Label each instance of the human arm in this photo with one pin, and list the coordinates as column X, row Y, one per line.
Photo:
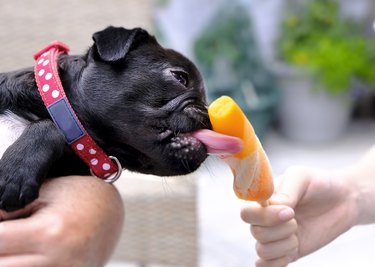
column 76, row 221
column 311, row 208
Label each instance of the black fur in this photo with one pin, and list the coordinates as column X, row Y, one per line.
column 138, row 100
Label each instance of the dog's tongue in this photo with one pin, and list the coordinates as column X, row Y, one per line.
column 217, row 143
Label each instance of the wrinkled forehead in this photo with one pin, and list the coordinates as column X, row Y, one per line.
column 155, row 55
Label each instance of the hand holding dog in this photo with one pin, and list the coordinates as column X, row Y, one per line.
column 75, row 222
column 310, row 209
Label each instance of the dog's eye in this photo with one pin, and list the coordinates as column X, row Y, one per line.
column 181, row 76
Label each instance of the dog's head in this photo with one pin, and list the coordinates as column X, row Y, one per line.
column 142, row 102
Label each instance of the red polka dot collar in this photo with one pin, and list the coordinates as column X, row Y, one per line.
column 63, row 115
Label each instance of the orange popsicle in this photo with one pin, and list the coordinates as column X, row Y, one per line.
column 251, row 168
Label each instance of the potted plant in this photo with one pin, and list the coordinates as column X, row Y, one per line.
column 227, row 53
column 326, row 57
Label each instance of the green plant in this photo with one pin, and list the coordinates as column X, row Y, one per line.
column 162, row 3
column 228, row 55
column 316, row 37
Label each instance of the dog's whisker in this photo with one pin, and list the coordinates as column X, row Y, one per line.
column 185, row 163
column 209, row 166
column 166, row 186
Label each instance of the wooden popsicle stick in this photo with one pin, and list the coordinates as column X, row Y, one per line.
column 264, row 203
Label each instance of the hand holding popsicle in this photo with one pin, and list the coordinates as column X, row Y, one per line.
column 311, row 208
column 286, row 230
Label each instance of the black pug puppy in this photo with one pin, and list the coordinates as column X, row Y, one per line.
column 138, row 101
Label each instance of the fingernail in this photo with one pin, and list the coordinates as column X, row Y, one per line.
column 286, row 214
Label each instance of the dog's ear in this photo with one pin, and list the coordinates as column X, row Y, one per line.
column 112, row 43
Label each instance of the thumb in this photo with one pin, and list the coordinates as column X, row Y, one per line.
column 293, row 185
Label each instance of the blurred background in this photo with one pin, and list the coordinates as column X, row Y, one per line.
column 302, row 70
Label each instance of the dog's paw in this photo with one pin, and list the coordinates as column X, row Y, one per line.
column 16, row 191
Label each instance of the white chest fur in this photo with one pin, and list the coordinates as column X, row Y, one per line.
column 11, row 127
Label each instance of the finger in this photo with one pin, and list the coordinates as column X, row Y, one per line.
column 21, row 236
column 15, row 237
column 23, row 261
column 277, row 249
column 272, row 234
column 272, row 215
column 292, row 187
column 280, row 262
